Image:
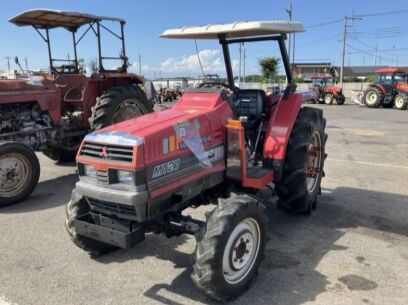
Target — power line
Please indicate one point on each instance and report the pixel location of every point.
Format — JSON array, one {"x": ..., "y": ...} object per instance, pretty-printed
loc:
[
  {"x": 370, "y": 54},
  {"x": 383, "y": 13},
  {"x": 324, "y": 23},
  {"x": 319, "y": 41}
]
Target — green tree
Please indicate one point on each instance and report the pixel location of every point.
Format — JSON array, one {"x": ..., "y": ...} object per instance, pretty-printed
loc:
[{"x": 269, "y": 66}]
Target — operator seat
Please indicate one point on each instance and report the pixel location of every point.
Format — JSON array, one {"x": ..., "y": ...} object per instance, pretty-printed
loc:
[{"x": 249, "y": 107}]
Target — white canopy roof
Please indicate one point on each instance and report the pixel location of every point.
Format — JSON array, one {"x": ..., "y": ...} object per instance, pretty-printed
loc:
[{"x": 235, "y": 30}]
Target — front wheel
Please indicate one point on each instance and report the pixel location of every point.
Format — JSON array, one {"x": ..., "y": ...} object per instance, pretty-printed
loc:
[
  {"x": 78, "y": 206},
  {"x": 230, "y": 247},
  {"x": 340, "y": 99},
  {"x": 401, "y": 101},
  {"x": 328, "y": 98},
  {"x": 19, "y": 172}
]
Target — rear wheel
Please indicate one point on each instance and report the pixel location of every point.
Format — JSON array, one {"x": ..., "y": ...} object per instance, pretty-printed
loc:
[
  {"x": 401, "y": 101},
  {"x": 230, "y": 247},
  {"x": 118, "y": 104},
  {"x": 19, "y": 172},
  {"x": 373, "y": 97},
  {"x": 304, "y": 162},
  {"x": 78, "y": 206},
  {"x": 328, "y": 98},
  {"x": 340, "y": 99}
]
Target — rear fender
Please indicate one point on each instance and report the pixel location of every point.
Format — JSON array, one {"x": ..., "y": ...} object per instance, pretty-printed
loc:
[
  {"x": 402, "y": 87},
  {"x": 379, "y": 87},
  {"x": 281, "y": 122}
]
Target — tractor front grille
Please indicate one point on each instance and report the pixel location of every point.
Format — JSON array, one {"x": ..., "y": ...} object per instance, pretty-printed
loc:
[
  {"x": 108, "y": 152},
  {"x": 110, "y": 207}
]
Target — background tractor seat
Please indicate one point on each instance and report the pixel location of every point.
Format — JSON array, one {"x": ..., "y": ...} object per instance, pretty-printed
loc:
[{"x": 249, "y": 106}]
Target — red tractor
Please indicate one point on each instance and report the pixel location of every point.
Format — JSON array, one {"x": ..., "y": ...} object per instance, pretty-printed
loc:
[
  {"x": 389, "y": 88},
  {"x": 52, "y": 113},
  {"x": 218, "y": 144},
  {"x": 326, "y": 89}
]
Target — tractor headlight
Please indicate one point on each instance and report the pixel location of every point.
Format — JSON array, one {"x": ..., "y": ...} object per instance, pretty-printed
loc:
[
  {"x": 89, "y": 170},
  {"x": 125, "y": 177}
]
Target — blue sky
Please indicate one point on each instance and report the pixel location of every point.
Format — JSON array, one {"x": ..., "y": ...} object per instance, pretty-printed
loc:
[{"x": 147, "y": 19}]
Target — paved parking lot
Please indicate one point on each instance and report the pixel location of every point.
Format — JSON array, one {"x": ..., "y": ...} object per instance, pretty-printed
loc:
[{"x": 352, "y": 250}]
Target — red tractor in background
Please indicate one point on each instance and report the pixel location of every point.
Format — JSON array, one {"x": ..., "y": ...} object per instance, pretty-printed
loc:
[
  {"x": 326, "y": 89},
  {"x": 52, "y": 113},
  {"x": 389, "y": 88},
  {"x": 218, "y": 144}
]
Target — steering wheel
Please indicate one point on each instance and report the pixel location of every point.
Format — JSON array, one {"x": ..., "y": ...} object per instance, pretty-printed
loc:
[{"x": 213, "y": 84}]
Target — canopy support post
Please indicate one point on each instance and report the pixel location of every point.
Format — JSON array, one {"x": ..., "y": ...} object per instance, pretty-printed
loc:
[
  {"x": 122, "y": 38},
  {"x": 47, "y": 40},
  {"x": 75, "y": 52},
  {"x": 227, "y": 60},
  {"x": 98, "y": 36}
]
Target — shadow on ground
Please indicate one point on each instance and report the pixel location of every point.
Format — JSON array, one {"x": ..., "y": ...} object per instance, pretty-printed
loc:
[
  {"x": 48, "y": 194},
  {"x": 297, "y": 244}
]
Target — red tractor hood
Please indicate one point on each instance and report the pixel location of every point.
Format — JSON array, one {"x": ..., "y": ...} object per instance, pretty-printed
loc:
[
  {"x": 153, "y": 122},
  {"x": 17, "y": 85},
  {"x": 164, "y": 134}
]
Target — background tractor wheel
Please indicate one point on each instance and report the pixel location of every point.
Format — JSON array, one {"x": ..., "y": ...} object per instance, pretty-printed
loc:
[
  {"x": 373, "y": 97},
  {"x": 118, "y": 104},
  {"x": 304, "y": 162},
  {"x": 340, "y": 99},
  {"x": 230, "y": 247},
  {"x": 65, "y": 151},
  {"x": 328, "y": 98},
  {"x": 61, "y": 154},
  {"x": 78, "y": 206},
  {"x": 401, "y": 101},
  {"x": 19, "y": 172}
]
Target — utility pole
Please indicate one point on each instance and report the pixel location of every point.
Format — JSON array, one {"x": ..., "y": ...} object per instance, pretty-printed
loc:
[
  {"x": 375, "y": 58},
  {"x": 140, "y": 65},
  {"x": 8, "y": 61},
  {"x": 343, "y": 52},
  {"x": 294, "y": 41},
  {"x": 289, "y": 11}
]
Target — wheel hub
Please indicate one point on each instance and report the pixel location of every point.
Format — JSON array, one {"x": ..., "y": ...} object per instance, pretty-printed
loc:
[
  {"x": 372, "y": 97},
  {"x": 13, "y": 172},
  {"x": 314, "y": 155},
  {"x": 241, "y": 251},
  {"x": 398, "y": 101}
]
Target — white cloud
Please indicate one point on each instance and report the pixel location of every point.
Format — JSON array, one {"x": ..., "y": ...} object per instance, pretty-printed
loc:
[{"x": 211, "y": 60}]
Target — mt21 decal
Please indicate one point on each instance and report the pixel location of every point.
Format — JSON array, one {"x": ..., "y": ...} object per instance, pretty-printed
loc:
[{"x": 166, "y": 168}]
